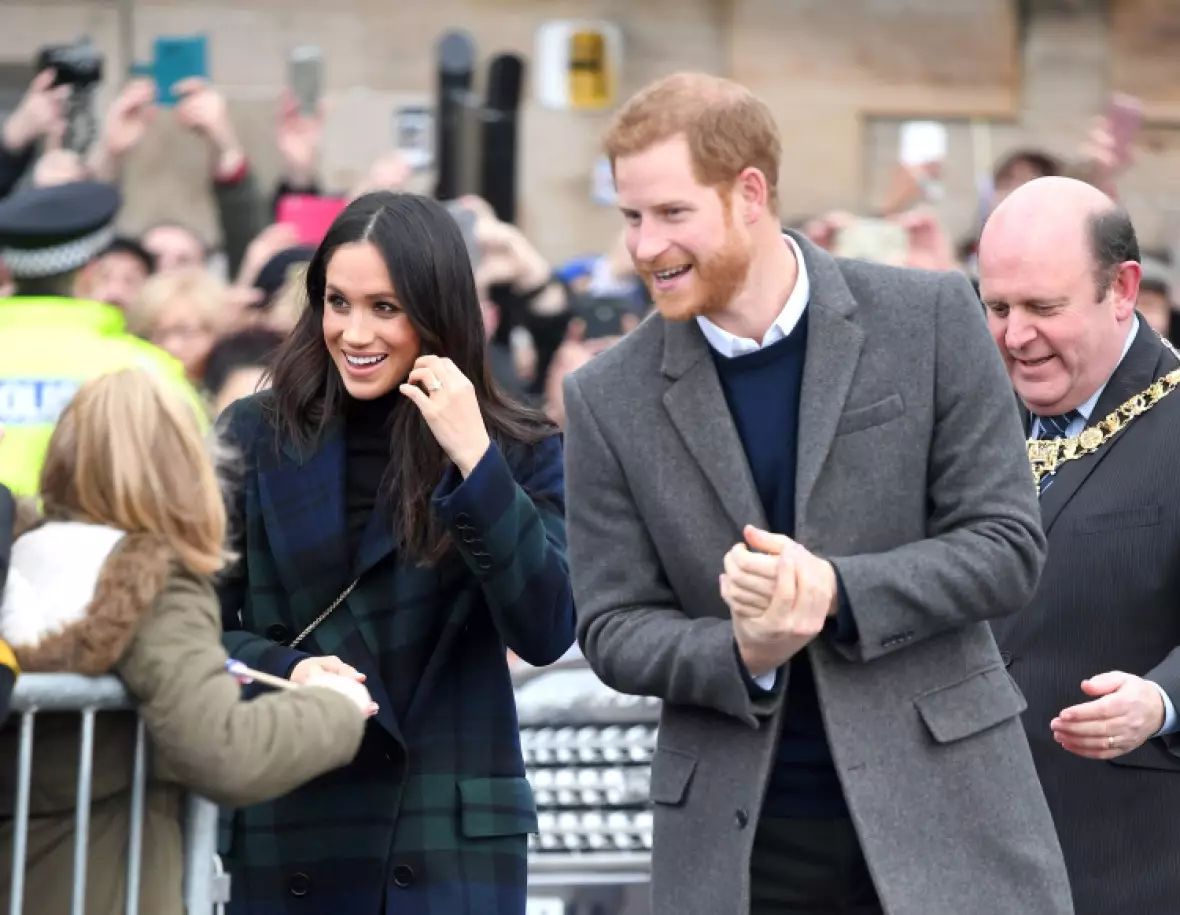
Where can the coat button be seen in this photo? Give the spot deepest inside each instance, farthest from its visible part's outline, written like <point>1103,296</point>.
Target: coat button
<point>741,818</point>
<point>300,885</point>
<point>462,519</point>
<point>403,876</point>
<point>278,633</point>
<point>1006,657</point>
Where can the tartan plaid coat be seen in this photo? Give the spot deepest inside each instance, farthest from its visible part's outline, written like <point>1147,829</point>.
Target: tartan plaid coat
<point>432,816</point>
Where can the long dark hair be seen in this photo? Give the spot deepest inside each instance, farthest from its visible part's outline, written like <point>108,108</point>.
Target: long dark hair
<point>428,264</point>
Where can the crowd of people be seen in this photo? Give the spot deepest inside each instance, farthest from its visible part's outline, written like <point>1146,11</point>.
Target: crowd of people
<point>914,635</point>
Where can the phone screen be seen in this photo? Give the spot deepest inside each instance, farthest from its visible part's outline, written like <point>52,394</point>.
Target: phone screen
<point>465,218</point>
<point>178,59</point>
<point>306,70</point>
<point>311,216</point>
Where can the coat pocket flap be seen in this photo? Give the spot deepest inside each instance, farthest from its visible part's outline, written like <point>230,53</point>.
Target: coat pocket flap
<point>500,806</point>
<point>974,704</point>
<point>671,772</point>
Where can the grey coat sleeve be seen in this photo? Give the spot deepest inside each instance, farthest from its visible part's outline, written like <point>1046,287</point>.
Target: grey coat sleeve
<point>985,548</point>
<point>630,626</point>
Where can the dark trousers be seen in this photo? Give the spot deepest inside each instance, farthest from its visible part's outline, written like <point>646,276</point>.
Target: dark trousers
<point>809,867</point>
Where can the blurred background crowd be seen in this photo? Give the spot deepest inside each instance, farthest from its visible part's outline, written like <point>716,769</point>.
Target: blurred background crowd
<point>217,283</point>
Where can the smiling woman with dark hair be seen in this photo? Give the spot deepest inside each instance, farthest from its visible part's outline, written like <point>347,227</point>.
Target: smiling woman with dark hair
<point>401,521</point>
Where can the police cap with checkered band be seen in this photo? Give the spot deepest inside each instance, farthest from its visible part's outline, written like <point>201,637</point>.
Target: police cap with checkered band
<point>51,231</point>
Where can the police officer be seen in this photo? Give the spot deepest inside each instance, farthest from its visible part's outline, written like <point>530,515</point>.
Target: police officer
<point>49,342</point>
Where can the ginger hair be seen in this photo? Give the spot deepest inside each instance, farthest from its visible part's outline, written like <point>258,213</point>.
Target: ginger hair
<point>727,128</point>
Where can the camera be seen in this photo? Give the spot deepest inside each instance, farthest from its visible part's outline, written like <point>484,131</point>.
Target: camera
<point>78,64</point>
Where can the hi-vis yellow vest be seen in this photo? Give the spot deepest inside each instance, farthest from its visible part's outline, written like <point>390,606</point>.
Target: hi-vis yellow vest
<point>48,348</point>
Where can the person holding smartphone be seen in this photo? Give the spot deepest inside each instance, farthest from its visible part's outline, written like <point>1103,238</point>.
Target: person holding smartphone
<point>402,522</point>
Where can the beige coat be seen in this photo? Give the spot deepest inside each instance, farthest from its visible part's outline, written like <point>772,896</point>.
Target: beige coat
<point>91,600</point>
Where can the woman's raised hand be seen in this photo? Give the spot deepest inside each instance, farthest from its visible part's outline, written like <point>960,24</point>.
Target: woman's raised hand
<point>448,403</point>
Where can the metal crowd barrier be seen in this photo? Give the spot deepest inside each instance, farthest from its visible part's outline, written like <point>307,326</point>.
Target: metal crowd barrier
<point>206,887</point>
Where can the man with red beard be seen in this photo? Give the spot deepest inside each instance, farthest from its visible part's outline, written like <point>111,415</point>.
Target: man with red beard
<point>796,495</point>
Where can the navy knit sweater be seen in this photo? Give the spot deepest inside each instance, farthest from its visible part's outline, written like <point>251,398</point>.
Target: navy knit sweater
<point>762,390</point>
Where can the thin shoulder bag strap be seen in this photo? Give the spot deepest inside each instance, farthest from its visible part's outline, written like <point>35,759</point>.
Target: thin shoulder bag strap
<point>323,616</point>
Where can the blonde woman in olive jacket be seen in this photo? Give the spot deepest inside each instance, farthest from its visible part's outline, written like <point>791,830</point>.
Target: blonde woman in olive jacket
<point>114,578</point>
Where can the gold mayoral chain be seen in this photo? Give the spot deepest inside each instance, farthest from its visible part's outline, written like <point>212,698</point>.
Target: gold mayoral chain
<point>1046,455</point>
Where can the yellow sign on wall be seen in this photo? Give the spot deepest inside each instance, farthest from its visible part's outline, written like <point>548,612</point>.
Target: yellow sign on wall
<point>577,65</point>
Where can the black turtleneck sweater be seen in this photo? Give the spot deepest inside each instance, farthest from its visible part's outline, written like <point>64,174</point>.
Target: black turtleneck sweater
<point>367,442</point>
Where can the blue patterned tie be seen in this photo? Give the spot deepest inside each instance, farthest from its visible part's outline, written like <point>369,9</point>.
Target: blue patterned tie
<point>1052,427</point>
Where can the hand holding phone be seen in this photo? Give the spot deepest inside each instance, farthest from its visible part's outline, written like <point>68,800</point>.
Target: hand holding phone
<point>922,149</point>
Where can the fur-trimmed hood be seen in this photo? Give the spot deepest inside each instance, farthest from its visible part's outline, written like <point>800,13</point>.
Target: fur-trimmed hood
<point>76,592</point>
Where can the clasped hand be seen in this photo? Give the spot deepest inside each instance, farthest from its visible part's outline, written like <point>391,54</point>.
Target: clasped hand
<point>780,596</point>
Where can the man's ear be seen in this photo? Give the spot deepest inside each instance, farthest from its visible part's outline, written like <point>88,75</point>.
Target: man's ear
<point>754,194</point>
<point>1126,288</point>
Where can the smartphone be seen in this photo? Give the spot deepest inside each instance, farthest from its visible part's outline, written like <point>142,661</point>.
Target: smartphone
<point>465,218</point>
<point>604,315</point>
<point>1124,116</point>
<point>877,240</point>
<point>413,135</point>
<point>311,216</point>
<point>177,59</point>
<point>305,77</point>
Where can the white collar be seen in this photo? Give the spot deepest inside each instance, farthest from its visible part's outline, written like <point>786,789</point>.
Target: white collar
<point>730,345</point>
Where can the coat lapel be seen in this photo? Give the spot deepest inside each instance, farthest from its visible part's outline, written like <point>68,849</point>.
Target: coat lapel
<point>696,405</point>
<point>1139,368</point>
<point>834,343</point>
<point>303,509</point>
<point>302,503</point>
<point>376,543</point>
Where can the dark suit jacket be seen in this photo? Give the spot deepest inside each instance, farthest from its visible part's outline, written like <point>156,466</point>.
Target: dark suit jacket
<point>1109,599</point>
<point>432,816</point>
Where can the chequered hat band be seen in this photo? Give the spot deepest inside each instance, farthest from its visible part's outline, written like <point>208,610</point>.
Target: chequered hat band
<point>59,259</point>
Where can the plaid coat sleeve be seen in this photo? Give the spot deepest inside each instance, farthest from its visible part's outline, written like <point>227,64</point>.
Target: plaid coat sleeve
<point>512,537</point>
